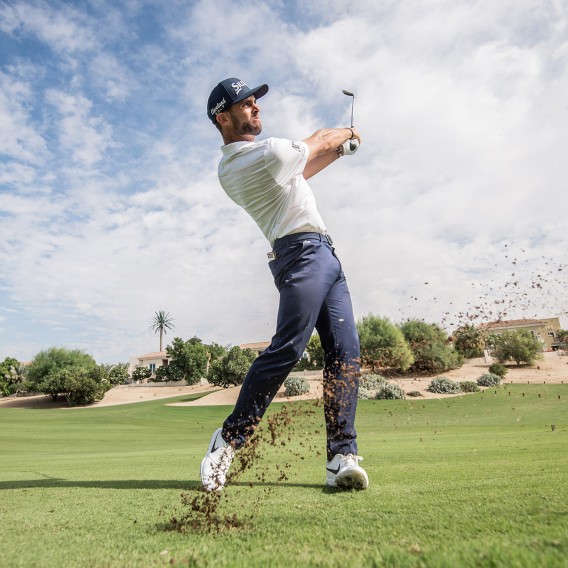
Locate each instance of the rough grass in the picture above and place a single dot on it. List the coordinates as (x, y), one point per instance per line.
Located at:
(477, 480)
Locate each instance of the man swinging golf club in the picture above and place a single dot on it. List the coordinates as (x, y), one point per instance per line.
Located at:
(268, 179)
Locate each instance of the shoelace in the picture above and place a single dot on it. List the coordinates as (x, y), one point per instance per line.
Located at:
(351, 459)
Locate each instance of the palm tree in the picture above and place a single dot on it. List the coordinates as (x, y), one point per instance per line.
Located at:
(161, 322)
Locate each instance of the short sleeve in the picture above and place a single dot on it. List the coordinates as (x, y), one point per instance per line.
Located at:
(285, 159)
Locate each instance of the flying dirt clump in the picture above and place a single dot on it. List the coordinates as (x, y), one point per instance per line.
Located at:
(206, 511)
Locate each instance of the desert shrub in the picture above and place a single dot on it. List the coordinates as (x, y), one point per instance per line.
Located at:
(295, 386)
(382, 344)
(363, 393)
(469, 386)
(442, 385)
(489, 380)
(414, 394)
(429, 345)
(371, 381)
(498, 369)
(390, 391)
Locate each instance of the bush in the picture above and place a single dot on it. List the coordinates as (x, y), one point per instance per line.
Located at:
(489, 380)
(79, 386)
(442, 385)
(295, 386)
(371, 381)
(364, 394)
(468, 340)
(54, 360)
(429, 344)
(141, 374)
(315, 351)
(498, 369)
(232, 368)
(390, 391)
(382, 344)
(161, 375)
(469, 386)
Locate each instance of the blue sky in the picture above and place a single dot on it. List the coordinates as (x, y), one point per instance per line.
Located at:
(453, 210)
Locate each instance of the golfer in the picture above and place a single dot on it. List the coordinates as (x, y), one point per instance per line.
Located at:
(268, 179)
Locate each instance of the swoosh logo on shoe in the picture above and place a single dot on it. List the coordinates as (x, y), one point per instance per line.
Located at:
(334, 471)
(214, 448)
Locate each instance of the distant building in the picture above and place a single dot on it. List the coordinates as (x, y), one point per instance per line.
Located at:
(151, 360)
(258, 347)
(545, 330)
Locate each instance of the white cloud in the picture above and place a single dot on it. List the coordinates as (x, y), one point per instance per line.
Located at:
(86, 136)
(19, 138)
(62, 29)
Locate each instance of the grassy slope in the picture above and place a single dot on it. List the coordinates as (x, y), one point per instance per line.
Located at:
(478, 480)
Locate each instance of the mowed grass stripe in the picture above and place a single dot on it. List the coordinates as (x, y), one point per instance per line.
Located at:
(462, 481)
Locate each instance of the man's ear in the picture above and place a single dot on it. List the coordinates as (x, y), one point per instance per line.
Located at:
(222, 119)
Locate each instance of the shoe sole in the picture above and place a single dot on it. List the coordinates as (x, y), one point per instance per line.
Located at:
(350, 480)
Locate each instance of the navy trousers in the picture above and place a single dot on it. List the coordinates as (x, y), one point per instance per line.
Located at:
(313, 293)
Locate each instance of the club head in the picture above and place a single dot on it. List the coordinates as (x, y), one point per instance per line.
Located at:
(348, 93)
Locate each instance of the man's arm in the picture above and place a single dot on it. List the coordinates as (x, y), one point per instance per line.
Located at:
(323, 146)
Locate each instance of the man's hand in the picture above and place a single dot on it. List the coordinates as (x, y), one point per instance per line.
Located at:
(327, 145)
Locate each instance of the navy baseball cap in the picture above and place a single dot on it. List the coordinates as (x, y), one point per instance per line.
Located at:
(229, 92)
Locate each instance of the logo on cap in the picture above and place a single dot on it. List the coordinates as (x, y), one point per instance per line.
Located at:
(218, 107)
(239, 86)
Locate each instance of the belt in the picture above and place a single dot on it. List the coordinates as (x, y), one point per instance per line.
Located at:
(296, 237)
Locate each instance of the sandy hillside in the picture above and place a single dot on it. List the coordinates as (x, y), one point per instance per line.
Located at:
(552, 369)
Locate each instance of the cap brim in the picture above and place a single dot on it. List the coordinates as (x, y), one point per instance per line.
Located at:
(258, 92)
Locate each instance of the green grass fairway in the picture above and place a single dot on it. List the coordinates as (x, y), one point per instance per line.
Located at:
(476, 480)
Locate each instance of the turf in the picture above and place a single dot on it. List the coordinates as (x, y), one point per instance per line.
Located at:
(476, 480)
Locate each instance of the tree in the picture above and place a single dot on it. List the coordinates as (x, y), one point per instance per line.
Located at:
(161, 322)
(231, 369)
(188, 360)
(57, 359)
(214, 352)
(382, 344)
(518, 345)
(469, 341)
(562, 338)
(429, 345)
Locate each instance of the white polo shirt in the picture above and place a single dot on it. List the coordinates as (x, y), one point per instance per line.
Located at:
(265, 178)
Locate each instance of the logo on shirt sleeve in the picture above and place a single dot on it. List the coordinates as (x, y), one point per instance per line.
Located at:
(297, 147)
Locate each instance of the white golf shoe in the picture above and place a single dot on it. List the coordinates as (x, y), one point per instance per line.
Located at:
(216, 463)
(345, 472)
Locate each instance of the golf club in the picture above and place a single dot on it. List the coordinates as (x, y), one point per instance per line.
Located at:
(352, 95)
